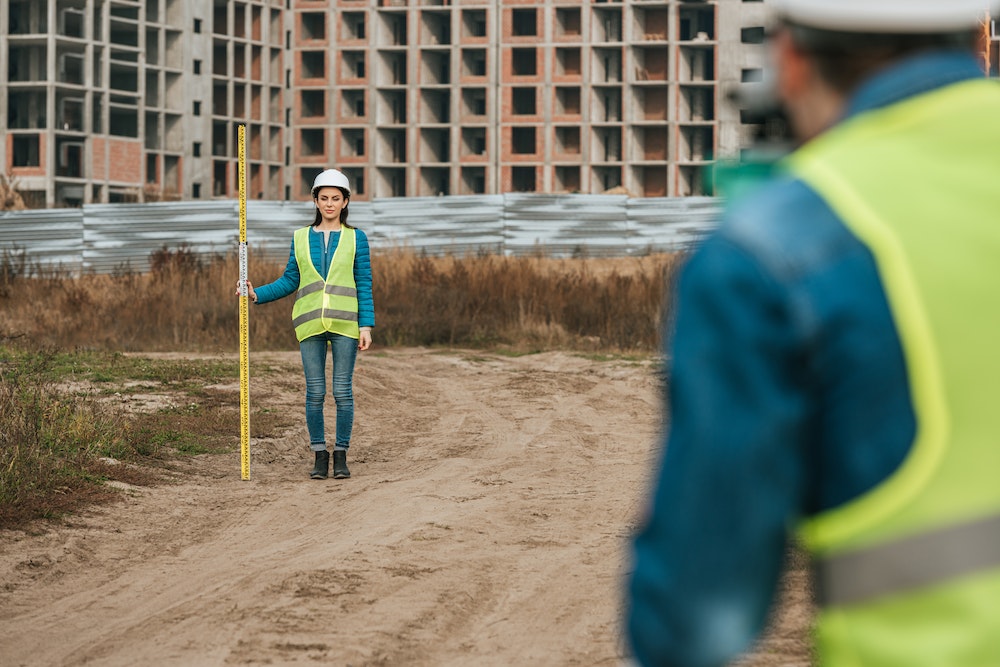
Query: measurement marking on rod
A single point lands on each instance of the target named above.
(244, 313)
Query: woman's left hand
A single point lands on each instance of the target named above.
(365, 338)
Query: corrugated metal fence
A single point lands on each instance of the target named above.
(108, 237)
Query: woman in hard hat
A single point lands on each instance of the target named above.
(329, 269)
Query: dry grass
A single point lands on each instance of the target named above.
(67, 426)
(186, 303)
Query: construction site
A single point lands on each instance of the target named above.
(138, 100)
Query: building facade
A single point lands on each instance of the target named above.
(138, 100)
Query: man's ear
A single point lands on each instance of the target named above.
(794, 69)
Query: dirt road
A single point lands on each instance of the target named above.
(485, 524)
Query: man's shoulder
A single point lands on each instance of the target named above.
(787, 227)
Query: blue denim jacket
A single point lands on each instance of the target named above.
(788, 396)
(321, 257)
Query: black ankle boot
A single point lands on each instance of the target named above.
(322, 468)
(340, 470)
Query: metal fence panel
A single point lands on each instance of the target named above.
(270, 225)
(566, 225)
(668, 224)
(438, 225)
(103, 238)
(51, 238)
(117, 236)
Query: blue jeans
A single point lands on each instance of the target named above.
(345, 351)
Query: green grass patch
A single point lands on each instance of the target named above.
(59, 443)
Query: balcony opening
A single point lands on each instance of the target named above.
(473, 141)
(522, 179)
(567, 178)
(69, 112)
(392, 111)
(523, 102)
(152, 168)
(568, 21)
(394, 181)
(435, 145)
(353, 104)
(313, 64)
(568, 101)
(524, 22)
(654, 181)
(607, 25)
(474, 62)
(435, 181)
(474, 23)
(474, 101)
(312, 142)
(436, 28)
(312, 26)
(352, 143)
(696, 23)
(71, 22)
(568, 139)
(393, 29)
(607, 178)
(123, 121)
(436, 68)
(25, 149)
(69, 157)
(522, 141)
(28, 17)
(352, 65)
(27, 63)
(352, 26)
(313, 103)
(435, 106)
(568, 62)
(652, 24)
(697, 104)
(474, 180)
(524, 62)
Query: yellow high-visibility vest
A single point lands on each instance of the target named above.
(909, 573)
(329, 304)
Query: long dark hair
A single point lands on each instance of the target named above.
(343, 212)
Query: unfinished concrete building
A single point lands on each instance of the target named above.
(480, 97)
(138, 100)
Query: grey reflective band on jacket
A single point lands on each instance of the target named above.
(329, 314)
(910, 563)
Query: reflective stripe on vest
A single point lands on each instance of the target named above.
(910, 571)
(331, 304)
(905, 565)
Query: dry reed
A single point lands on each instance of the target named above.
(187, 303)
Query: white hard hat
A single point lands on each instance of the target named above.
(331, 178)
(886, 16)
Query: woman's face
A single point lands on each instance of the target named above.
(330, 201)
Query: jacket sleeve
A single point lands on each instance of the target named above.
(363, 280)
(710, 550)
(284, 285)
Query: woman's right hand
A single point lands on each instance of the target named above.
(250, 291)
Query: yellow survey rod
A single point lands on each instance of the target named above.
(244, 313)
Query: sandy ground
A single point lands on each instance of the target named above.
(486, 523)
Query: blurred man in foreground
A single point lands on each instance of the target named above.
(835, 361)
